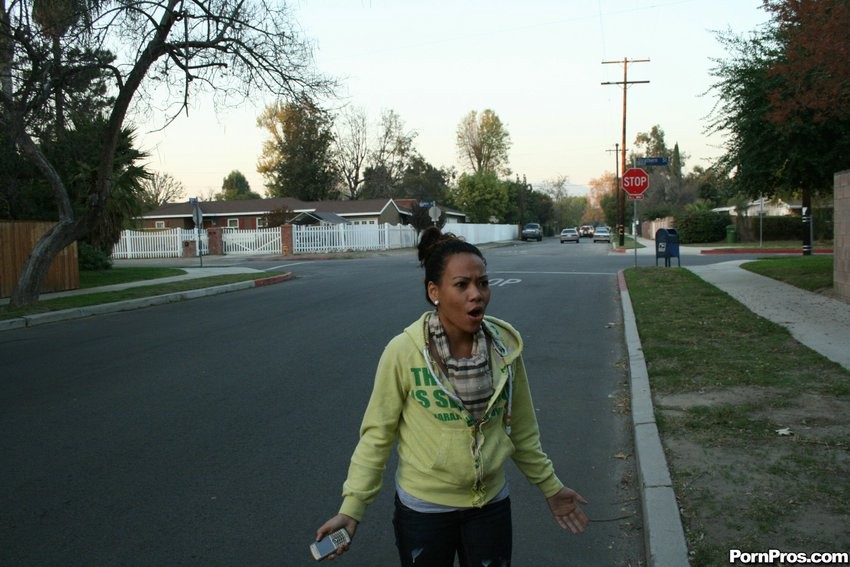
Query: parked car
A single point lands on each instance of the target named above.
(532, 231)
(602, 234)
(569, 235)
(585, 230)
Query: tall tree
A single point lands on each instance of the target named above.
(296, 159)
(159, 189)
(667, 190)
(231, 47)
(351, 149)
(815, 62)
(776, 90)
(482, 196)
(483, 142)
(235, 187)
(377, 183)
(518, 210)
(568, 209)
(424, 182)
(393, 151)
(602, 201)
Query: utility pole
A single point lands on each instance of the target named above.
(621, 195)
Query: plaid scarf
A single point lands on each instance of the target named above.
(470, 378)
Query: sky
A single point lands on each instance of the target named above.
(538, 64)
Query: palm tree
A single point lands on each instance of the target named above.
(55, 18)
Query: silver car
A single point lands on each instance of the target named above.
(569, 235)
(602, 234)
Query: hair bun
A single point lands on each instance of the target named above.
(431, 239)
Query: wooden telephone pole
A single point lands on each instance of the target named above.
(621, 195)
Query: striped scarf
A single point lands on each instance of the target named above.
(470, 378)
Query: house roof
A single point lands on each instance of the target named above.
(366, 207)
(330, 218)
(217, 208)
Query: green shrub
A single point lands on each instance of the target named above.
(92, 259)
(701, 226)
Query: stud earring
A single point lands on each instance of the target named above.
(436, 303)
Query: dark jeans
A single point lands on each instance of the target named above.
(479, 536)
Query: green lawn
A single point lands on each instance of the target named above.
(813, 273)
(84, 300)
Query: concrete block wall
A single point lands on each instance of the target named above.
(841, 270)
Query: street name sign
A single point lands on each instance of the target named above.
(645, 161)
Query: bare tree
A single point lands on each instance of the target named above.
(351, 149)
(161, 188)
(394, 146)
(234, 49)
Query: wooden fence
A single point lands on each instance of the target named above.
(17, 239)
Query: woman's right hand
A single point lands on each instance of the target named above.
(332, 525)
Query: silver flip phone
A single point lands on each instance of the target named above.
(328, 544)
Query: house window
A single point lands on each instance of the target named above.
(262, 222)
(159, 224)
(232, 223)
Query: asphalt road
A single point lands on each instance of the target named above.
(218, 431)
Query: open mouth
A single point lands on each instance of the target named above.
(476, 314)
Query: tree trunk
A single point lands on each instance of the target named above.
(31, 280)
(34, 272)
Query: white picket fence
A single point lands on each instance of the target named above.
(156, 243)
(305, 239)
(351, 237)
(264, 241)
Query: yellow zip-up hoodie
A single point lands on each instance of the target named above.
(445, 456)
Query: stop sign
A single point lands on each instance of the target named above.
(635, 181)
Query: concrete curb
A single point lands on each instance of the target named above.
(130, 304)
(664, 536)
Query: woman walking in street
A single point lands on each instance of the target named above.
(451, 390)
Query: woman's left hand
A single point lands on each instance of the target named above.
(565, 508)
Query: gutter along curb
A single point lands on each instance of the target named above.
(664, 536)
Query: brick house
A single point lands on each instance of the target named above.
(251, 214)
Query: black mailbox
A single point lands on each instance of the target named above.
(667, 245)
